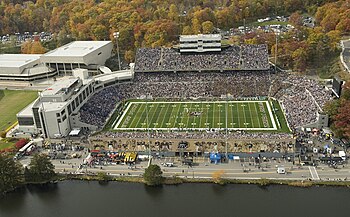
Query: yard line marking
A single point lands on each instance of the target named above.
(206, 124)
(165, 115)
(239, 121)
(230, 109)
(136, 114)
(258, 117)
(188, 117)
(200, 118)
(245, 119)
(271, 115)
(251, 115)
(150, 121)
(213, 121)
(177, 116)
(123, 115)
(144, 119)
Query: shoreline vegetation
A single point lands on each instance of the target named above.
(175, 180)
(103, 179)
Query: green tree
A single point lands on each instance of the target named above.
(102, 176)
(3, 134)
(331, 108)
(153, 175)
(10, 173)
(208, 27)
(187, 30)
(40, 169)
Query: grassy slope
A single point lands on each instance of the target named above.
(11, 102)
(6, 144)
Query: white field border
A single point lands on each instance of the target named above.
(116, 127)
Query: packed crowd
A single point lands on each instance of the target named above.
(301, 97)
(96, 110)
(197, 85)
(243, 57)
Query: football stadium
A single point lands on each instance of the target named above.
(199, 89)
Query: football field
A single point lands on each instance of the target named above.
(218, 115)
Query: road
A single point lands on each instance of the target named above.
(232, 170)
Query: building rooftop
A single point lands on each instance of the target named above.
(77, 48)
(59, 86)
(209, 36)
(116, 75)
(27, 111)
(17, 60)
(53, 106)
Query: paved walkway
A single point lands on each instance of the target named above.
(345, 54)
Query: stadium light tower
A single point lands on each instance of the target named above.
(226, 124)
(276, 50)
(116, 37)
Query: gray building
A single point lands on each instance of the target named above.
(55, 113)
(200, 43)
(78, 54)
(23, 67)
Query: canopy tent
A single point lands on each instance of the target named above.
(215, 157)
(74, 132)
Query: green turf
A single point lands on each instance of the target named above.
(4, 143)
(11, 102)
(245, 115)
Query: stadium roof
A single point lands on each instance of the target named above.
(203, 36)
(17, 60)
(77, 48)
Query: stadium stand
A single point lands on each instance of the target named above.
(302, 98)
(243, 57)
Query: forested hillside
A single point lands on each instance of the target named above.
(153, 22)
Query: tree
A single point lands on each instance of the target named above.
(331, 108)
(129, 56)
(342, 119)
(40, 169)
(10, 173)
(187, 30)
(103, 176)
(20, 143)
(153, 175)
(32, 48)
(217, 176)
(208, 27)
(37, 48)
(296, 19)
(3, 134)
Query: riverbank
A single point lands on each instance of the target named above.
(176, 180)
(180, 180)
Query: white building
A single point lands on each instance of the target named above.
(200, 43)
(23, 67)
(55, 113)
(78, 54)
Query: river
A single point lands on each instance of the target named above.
(85, 199)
